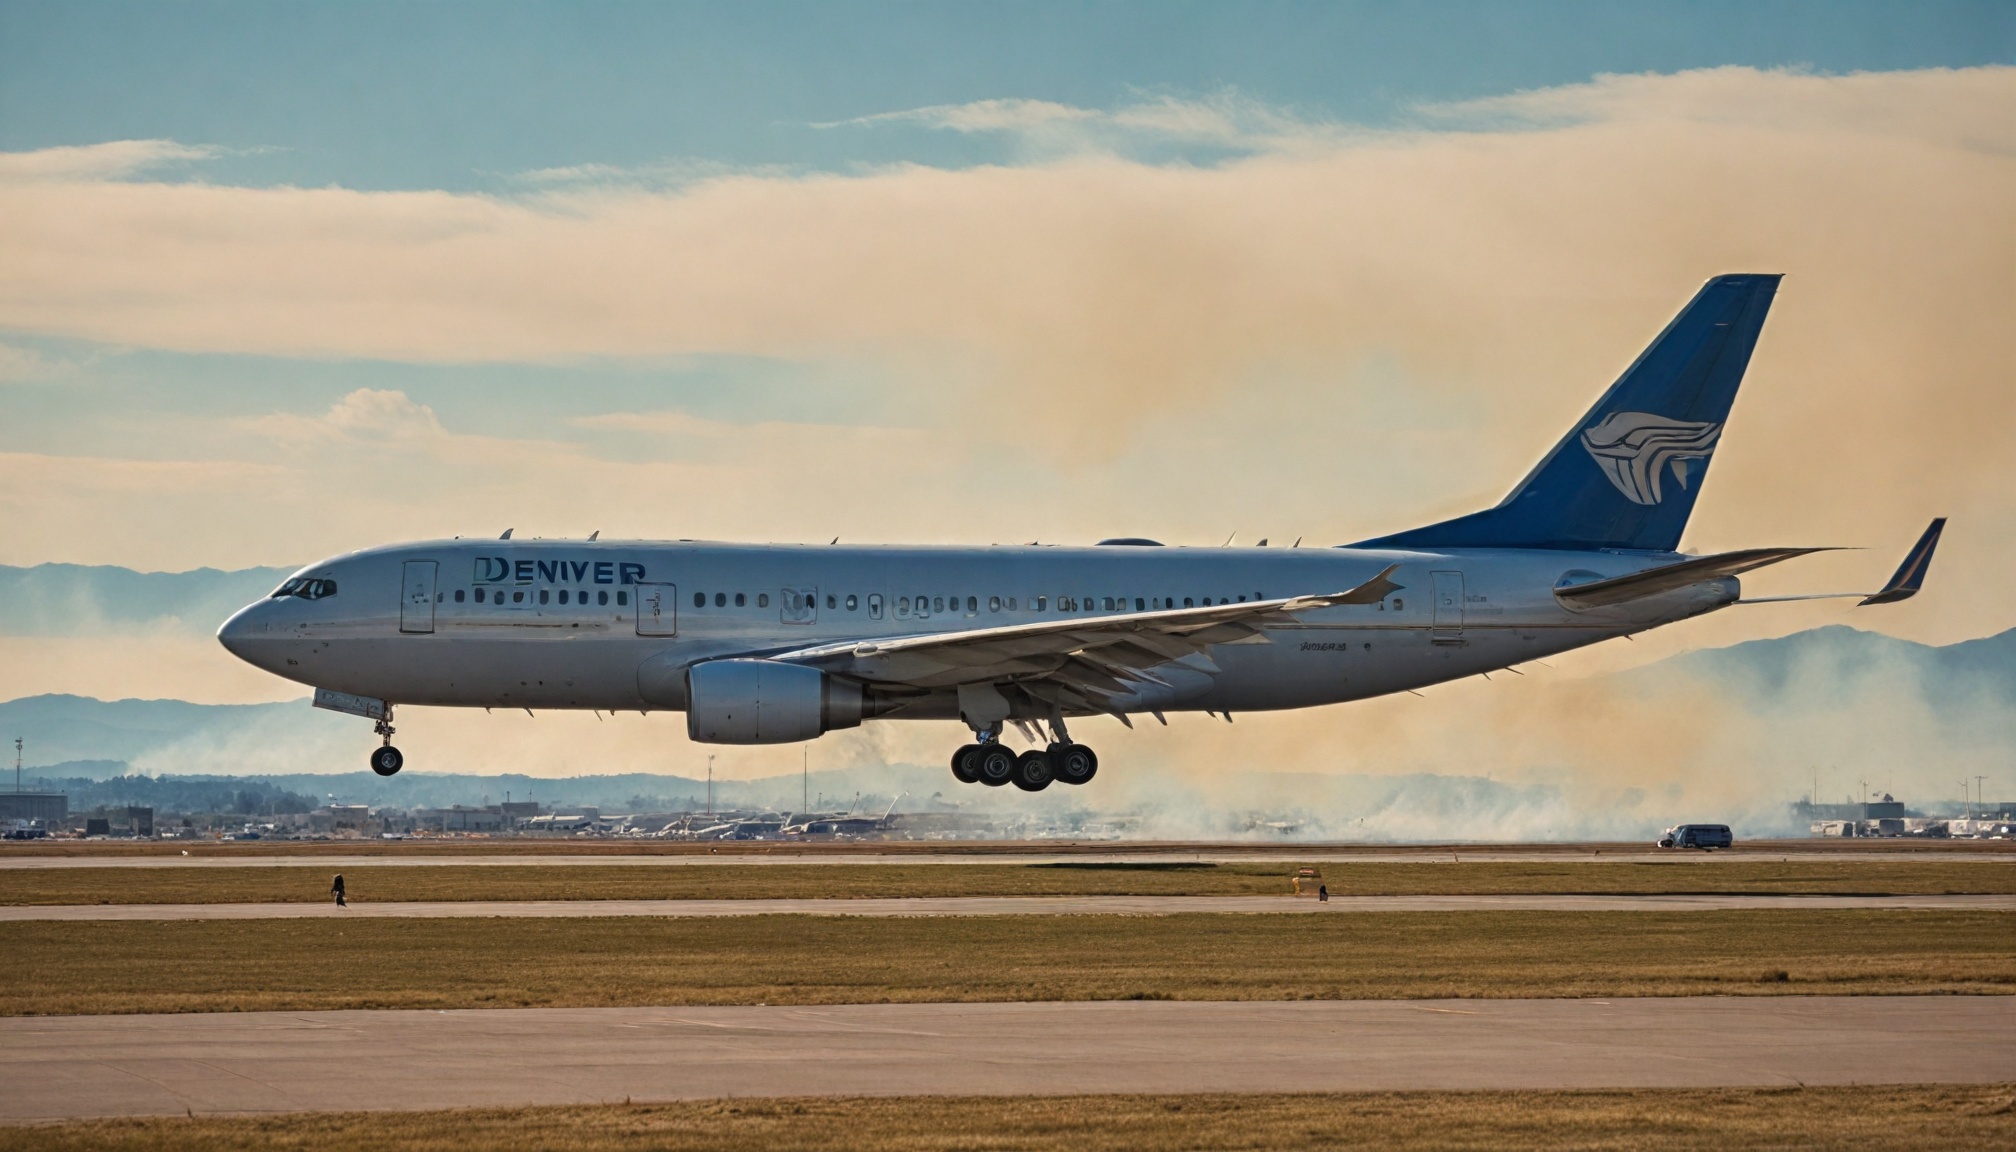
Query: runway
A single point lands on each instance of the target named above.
(995, 906)
(83, 1066)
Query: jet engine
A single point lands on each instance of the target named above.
(766, 702)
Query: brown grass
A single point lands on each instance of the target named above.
(391, 883)
(190, 966)
(1881, 1119)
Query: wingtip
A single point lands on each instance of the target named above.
(1910, 575)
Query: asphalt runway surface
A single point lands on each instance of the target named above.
(995, 906)
(1080, 859)
(86, 1066)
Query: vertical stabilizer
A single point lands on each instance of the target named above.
(1626, 476)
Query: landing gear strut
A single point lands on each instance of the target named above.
(386, 760)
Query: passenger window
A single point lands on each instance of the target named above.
(1011, 604)
(699, 599)
(832, 601)
(563, 595)
(479, 595)
(603, 597)
(1398, 604)
(622, 597)
(458, 595)
(1187, 603)
(875, 606)
(851, 603)
(543, 595)
(972, 605)
(720, 600)
(762, 600)
(1042, 603)
(1108, 606)
(937, 603)
(741, 600)
(902, 606)
(517, 597)
(993, 603)
(1140, 605)
(924, 606)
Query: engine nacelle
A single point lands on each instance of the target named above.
(766, 702)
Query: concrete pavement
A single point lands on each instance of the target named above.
(83, 1066)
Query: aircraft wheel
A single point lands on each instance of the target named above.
(1076, 763)
(387, 761)
(965, 763)
(995, 763)
(1034, 770)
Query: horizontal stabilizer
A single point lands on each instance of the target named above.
(1911, 574)
(1668, 577)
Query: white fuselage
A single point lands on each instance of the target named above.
(637, 614)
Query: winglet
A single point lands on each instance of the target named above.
(1911, 574)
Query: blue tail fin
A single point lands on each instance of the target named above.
(1627, 474)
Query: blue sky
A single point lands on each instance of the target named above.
(466, 96)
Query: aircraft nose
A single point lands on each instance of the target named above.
(240, 634)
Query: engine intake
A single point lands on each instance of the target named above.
(766, 702)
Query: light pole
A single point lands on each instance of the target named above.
(710, 785)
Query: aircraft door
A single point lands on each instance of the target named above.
(416, 602)
(657, 610)
(800, 605)
(1448, 622)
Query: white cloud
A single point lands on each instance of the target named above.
(99, 161)
(1348, 334)
(367, 414)
(977, 116)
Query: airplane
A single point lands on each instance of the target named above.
(768, 643)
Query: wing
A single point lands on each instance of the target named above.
(1084, 662)
(1667, 577)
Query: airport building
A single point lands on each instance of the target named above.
(49, 809)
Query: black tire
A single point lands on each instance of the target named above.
(965, 764)
(387, 761)
(1035, 770)
(1075, 763)
(994, 765)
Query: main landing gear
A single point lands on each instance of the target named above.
(991, 763)
(386, 760)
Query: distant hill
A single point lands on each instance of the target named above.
(1839, 663)
(283, 737)
(84, 600)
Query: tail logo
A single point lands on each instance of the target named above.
(1634, 449)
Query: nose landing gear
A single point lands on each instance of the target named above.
(386, 760)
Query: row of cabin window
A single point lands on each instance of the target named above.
(928, 605)
(518, 596)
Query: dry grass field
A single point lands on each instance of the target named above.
(391, 883)
(1883, 1119)
(191, 966)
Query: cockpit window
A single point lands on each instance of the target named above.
(306, 587)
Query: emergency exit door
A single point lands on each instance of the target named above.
(1447, 626)
(657, 610)
(416, 605)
